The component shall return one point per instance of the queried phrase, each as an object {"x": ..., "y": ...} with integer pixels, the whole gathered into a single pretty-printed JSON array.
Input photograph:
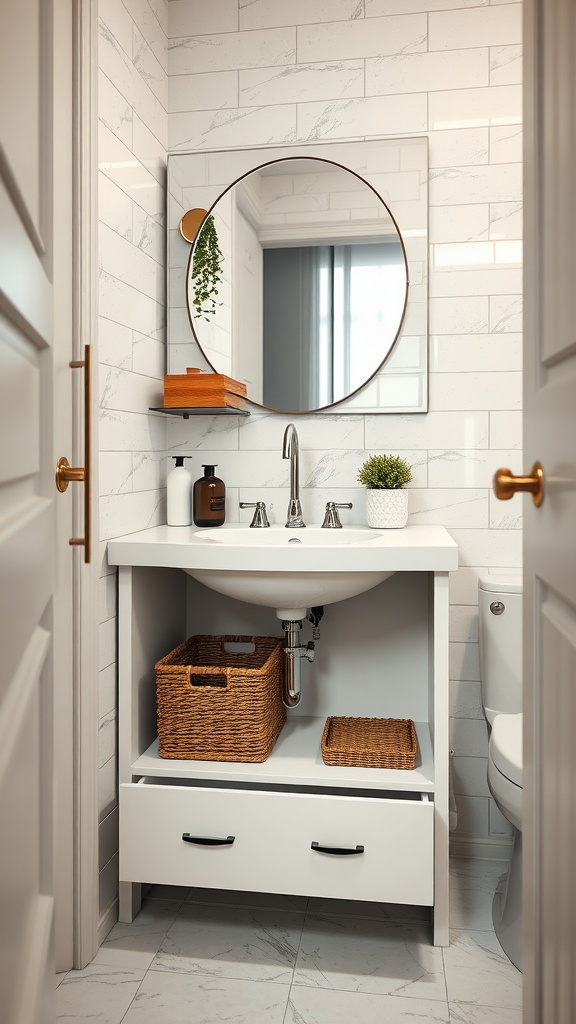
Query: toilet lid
[
  {"x": 506, "y": 746},
  {"x": 507, "y": 583}
]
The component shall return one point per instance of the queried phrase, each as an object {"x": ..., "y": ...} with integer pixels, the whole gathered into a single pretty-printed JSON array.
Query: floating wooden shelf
[{"x": 188, "y": 411}]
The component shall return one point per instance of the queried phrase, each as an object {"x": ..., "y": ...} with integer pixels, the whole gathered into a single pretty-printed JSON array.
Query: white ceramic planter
[{"x": 386, "y": 510}]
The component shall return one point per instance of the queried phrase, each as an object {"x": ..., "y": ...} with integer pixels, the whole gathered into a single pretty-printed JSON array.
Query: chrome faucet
[
  {"x": 259, "y": 519},
  {"x": 290, "y": 450},
  {"x": 331, "y": 517}
]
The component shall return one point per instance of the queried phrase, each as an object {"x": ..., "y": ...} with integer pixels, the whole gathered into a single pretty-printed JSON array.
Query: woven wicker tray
[{"x": 370, "y": 742}]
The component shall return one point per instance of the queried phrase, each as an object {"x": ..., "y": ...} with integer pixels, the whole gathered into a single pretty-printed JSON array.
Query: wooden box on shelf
[{"x": 195, "y": 389}]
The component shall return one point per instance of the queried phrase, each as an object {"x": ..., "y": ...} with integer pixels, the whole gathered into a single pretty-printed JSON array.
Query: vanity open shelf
[
  {"x": 291, "y": 824},
  {"x": 296, "y": 760}
]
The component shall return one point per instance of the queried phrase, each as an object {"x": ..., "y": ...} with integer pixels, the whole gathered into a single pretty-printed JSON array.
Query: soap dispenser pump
[
  {"x": 209, "y": 499},
  {"x": 179, "y": 494}
]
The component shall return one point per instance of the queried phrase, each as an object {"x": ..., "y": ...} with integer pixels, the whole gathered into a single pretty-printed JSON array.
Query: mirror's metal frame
[{"x": 391, "y": 371}]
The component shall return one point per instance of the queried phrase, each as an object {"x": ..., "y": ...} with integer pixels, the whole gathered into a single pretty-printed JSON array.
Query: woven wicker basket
[
  {"x": 370, "y": 742},
  {"x": 219, "y": 705}
]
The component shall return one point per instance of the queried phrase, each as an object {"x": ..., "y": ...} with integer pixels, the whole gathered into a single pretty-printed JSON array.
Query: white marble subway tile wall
[
  {"x": 132, "y": 130},
  {"x": 249, "y": 73}
]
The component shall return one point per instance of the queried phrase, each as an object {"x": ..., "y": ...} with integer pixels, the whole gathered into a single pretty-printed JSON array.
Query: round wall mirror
[{"x": 297, "y": 283}]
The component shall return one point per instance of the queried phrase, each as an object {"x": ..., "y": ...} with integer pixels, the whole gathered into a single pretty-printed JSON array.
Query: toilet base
[{"x": 507, "y": 906}]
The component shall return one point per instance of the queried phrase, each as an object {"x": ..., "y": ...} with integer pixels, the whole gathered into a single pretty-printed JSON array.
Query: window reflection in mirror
[{"x": 328, "y": 313}]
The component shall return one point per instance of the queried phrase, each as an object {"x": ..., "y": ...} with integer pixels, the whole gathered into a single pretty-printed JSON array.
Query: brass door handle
[
  {"x": 65, "y": 473},
  {"x": 505, "y": 484}
]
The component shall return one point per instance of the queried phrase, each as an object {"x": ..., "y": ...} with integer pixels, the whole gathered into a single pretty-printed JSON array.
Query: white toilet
[{"x": 500, "y": 620}]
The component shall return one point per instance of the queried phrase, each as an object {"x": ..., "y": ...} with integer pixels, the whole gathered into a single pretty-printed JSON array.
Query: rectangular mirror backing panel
[{"x": 396, "y": 169}]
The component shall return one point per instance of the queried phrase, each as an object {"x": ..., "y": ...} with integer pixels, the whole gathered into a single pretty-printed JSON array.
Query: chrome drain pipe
[{"x": 293, "y": 653}]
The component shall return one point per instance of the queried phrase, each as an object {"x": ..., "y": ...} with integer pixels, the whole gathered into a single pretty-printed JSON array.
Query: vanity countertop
[{"x": 412, "y": 549}]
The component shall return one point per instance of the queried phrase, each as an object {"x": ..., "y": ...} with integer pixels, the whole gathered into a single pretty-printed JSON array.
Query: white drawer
[{"x": 272, "y": 835}]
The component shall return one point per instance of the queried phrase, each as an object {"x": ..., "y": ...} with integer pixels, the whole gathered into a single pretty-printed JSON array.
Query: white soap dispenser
[{"x": 179, "y": 494}]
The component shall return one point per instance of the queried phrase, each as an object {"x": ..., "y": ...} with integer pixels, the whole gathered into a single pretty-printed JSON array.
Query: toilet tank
[{"x": 500, "y": 635}]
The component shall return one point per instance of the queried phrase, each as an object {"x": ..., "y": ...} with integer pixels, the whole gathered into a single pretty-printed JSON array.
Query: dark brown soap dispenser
[{"x": 209, "y": 499}]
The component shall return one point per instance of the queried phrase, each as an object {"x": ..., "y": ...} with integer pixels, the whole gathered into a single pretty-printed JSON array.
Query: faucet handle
[
  {"x": 331, "y": 517},
  {"x": 259, "y": 519}
]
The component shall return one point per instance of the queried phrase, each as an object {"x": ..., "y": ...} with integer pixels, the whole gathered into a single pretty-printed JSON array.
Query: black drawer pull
[
  {"x": 207, "y": 840},
  {"x": 337, "y": 851}
]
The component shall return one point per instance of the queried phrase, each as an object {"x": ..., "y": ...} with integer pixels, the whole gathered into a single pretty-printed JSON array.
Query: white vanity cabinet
[{"x": 292, "y": 824}]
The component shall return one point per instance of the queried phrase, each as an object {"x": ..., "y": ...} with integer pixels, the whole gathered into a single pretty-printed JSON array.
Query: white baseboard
[
  {"x": 481, "y": 847},
  {"x": 108, "y": 920}
]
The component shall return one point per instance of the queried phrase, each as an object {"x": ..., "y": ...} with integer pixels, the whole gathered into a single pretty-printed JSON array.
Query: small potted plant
[{"x": 386, "y": 501}]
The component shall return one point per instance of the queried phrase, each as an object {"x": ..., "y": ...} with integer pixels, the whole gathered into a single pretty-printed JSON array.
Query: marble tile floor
[{"x": 195, "y": 956}]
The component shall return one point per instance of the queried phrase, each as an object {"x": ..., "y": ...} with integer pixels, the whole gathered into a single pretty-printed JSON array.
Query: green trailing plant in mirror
[
  {"x": 385, "y": 472},
  {"x": 206, "y": 270}
]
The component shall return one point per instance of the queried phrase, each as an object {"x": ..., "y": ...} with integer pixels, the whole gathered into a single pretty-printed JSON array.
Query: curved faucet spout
[{"x": 291, "y": 450}]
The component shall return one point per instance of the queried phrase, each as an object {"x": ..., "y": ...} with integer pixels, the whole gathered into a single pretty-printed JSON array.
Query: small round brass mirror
[{"x": 190, "y": 223}]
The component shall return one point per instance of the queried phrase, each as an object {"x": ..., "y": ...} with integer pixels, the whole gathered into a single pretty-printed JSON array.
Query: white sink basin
[
  {"x": 290, "y": 570},
  {"x": 279, "y": 536}
]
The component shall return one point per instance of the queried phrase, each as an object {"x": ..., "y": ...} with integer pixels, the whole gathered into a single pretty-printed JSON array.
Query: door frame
[
  {"x": 549, "y": 547},
  {"x": 85, "y": 577}
]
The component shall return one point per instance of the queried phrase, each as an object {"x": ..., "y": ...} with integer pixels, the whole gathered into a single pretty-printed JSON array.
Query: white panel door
[
  {"x": 35, "y": 339},
  {"x": 549, "y": 955}
]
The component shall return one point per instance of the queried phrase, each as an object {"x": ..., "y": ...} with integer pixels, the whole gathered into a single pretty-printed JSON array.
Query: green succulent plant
[
  {"x": 206, "y": 270},
  {"x": 385, "y": 472}
]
